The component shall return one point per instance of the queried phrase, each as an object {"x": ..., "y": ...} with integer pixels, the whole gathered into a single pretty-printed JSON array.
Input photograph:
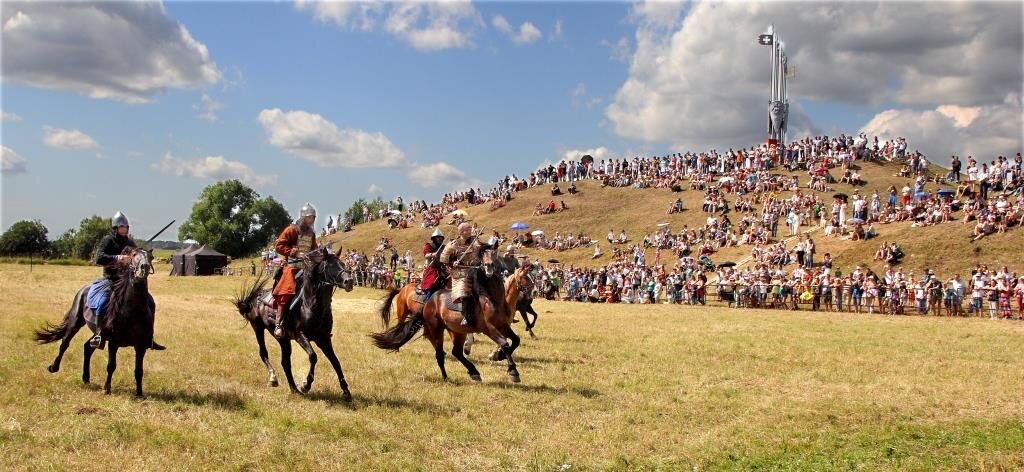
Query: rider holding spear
[{"x": 293, "y": 243}]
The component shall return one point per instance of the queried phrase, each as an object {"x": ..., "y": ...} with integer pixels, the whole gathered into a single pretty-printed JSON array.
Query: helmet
[
  {"x": 119, "y": 220},
  {"x": 437, "y": 232},
  {"x": 307, "y": 210}
]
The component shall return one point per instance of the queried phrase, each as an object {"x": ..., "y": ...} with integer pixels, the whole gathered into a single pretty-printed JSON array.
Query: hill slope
[{"x": 595, "y": 211}]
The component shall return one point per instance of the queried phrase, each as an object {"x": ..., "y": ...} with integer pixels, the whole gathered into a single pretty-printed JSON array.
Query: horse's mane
[{"x": 120, "y": 291}]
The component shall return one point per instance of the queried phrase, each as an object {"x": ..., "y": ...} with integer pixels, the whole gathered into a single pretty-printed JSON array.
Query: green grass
[{"x": 605, "y": 387}]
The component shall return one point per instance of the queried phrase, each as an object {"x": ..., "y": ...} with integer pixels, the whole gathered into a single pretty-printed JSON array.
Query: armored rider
[
  {"x": 108, "y": 255},
  {"x": 431, "y": 277},
  {"x": 294, "y": 242},
  {"x": 460, "y": 255}
]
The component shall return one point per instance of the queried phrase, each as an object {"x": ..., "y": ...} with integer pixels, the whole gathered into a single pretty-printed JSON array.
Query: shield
[{"x": 519, "y": 226}]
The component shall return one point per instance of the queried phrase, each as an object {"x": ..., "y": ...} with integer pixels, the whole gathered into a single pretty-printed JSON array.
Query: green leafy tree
[
  {"x": 25, "y": 237},
  {"x": 233, "y": 219},
  {"x": 355, "y": 212},
  {"x": 81, "y": 243}
]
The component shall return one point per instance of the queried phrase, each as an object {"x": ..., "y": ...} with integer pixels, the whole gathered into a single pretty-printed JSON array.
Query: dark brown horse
[
  {"x": 492, "y": 319},
  {"x": 310, "y": 318},
  {"x": 128, "y": 321}
]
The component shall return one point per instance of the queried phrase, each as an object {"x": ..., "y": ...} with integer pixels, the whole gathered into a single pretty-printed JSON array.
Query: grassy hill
[{"x": 595, "y": 211}]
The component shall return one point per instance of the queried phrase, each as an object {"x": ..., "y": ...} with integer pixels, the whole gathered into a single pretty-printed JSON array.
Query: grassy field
[{"x": 605, "y": 387}]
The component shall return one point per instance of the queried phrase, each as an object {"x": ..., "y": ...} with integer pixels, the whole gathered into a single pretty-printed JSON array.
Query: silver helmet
[
  {"x": 307, "y": 210},
  {"x": 437, "y": 232},
  {"x": 119, "y": 220}
]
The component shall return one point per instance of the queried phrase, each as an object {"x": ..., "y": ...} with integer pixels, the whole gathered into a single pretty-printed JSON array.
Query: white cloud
[
  {"x": 213, "y": 168},
  {"x": 10, "y": 117},
  {"x": 694, "y": 83},
  {"x": 207, "y": 108},
  {"x": 68, "y": 139},
  {"x": 580, "y": 99},
  {"x": 577, "y": 154},
  {"x": 983, "y": 132},
  {"x": 619, "y": 50},
  {"x": 318, "y": 140},
  {"x": 374, "y": 190},
  {"x": 526, "y": 34},
  {"x": 441, "y": 174},
  {"x": 11, "y": 162},
  {"x": 116, "y": 50},
  {"x": 426, "y": 26}
]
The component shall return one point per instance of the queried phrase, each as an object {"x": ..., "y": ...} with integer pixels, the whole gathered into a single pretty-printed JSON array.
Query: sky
[{"x": 136, "y": 107}]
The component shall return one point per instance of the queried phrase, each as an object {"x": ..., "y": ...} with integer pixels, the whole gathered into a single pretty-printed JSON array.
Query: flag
[{"x": 766, "y": 39}]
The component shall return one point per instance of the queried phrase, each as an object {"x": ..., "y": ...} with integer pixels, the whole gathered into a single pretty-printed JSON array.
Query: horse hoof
[
  {"x": 106, "y": 391},
  {"x": 466, "y": 350},
  {"x": 52, "y": 368},
  {"x": 273, "y": 383},
  {"x": 304, "y": 389},
  {"x": 515, "y": 378},
  {"x": 533, "y": 336},
  {"x": 476, "y": 378},
  {"x": 346, "y": 395}
]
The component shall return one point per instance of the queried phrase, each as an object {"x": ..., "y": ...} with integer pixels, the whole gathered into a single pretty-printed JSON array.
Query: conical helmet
[
  {"x": 119, "y": 220},
  {"x": 307, "y": 210},
  {"x": 437, "y": 232}
]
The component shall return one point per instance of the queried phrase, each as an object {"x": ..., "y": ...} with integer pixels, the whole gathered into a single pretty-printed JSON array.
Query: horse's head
[
  {"x": 140, "y": 262},
  {"x": 488, "y": 262},
  {"x": 329, "y": 266},
  {"x": 521, "y": 277}
]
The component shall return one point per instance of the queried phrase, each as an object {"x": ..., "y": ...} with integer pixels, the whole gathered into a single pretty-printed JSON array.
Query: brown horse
[
  {"x": 519, "y": 282},
  {"x": 129, "y": 320},
  {"x": 492, "y": 319},
  {"x": 310, "y": 317}
]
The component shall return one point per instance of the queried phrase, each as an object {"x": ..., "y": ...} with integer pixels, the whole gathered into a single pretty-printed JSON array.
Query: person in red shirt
[
  {"x": 431, "y": 275},
  {"x": 294, "y": 242}
]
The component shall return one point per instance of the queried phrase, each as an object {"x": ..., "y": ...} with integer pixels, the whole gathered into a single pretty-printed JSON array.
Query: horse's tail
[
  {"x": 246, "y": 297},
  {"x": 385, "y": 306},
  {"x": 399, "y": 334},
  {"x": 52, "y": 332}
]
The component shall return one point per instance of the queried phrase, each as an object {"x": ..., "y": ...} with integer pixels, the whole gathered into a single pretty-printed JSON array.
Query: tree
[
  {"x": 86, "y": 238},
  {"x": 355, "y": 212},
  {"x": 233, "y": 219},
  {"x": 23, "y": 238}
]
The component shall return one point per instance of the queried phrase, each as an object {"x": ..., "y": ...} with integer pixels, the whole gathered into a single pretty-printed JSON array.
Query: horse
[
  {"x": 128, "y": 322},
  {"x": 518, "y": 283},
  {"x": 310, "y": 319},
  {"x": 492, "y": 318}
]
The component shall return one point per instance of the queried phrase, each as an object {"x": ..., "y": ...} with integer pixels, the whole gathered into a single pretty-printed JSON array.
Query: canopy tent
[{"x": 198, "y": 261}]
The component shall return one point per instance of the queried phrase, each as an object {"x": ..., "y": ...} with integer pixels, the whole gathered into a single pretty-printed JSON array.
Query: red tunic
[{"x": 430, "y": 275}]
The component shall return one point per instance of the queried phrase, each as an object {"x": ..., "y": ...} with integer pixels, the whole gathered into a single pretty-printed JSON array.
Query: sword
[{"x": 158, "y": 233}]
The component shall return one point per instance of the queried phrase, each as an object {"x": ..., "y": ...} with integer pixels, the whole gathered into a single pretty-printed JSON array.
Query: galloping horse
[
  {"x": 492, "y": 318},
  {"x": 518, "y": 283},
  {"x": 129, "y": 320},
  {"x": 310, "y": 319}
]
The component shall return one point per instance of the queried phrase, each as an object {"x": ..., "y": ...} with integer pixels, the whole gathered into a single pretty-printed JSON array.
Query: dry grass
[
  {"x": 597, "y": 210},
  {"x": 606, "y": 387}
]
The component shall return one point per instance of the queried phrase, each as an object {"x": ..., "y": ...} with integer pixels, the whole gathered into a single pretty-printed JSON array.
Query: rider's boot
[
  {"x": 279, "y": 321},
  {"x": 467, "y": 311}
]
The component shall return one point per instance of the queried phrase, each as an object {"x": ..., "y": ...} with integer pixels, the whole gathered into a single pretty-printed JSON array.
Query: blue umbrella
[
  {"x": 946, "y": 191},
  {"x": 519, "y": 226}
]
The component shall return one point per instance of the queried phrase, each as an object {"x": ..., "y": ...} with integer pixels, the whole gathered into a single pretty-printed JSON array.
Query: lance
[{"x": 158, "y": 233}]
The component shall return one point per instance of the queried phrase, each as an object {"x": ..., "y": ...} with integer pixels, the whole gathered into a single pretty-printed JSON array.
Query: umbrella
[
  {"x": 727, "y": 264},
  {"x": 726, "y": 179},
  {"x": 519, "y": 226},
  {"x": 946, "y": 191},
  {"x": 841, "y": 196},
  {"x": 553, "y": 261},
  {"x": 537, "y": 233},
  {"x": 921, "y": 195},
  {"x": 855, "y": 221},
  {"x": 394, "y": 212},
  {"x": 459, "y": 212},
  {"x": 587, "y": 158},
  {"x": 662, "y": 225}
]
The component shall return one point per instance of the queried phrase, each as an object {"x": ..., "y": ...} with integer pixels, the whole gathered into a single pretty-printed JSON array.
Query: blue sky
[{"x": 453, "y": 96}]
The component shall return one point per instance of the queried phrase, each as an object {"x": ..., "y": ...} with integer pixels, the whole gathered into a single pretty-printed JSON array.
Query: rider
[
  {"x": 293, "y": 243},
  {"x": 108, "y": 255},
  {"x": 460, "y": 255},
  {"x": 431, "y": 276}
]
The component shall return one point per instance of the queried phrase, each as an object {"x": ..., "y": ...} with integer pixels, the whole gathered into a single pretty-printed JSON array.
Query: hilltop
[{"x": 595, "y": 211}]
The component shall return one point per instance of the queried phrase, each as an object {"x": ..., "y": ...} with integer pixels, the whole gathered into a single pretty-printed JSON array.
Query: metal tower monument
[{"x": 778, "y": 103}]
